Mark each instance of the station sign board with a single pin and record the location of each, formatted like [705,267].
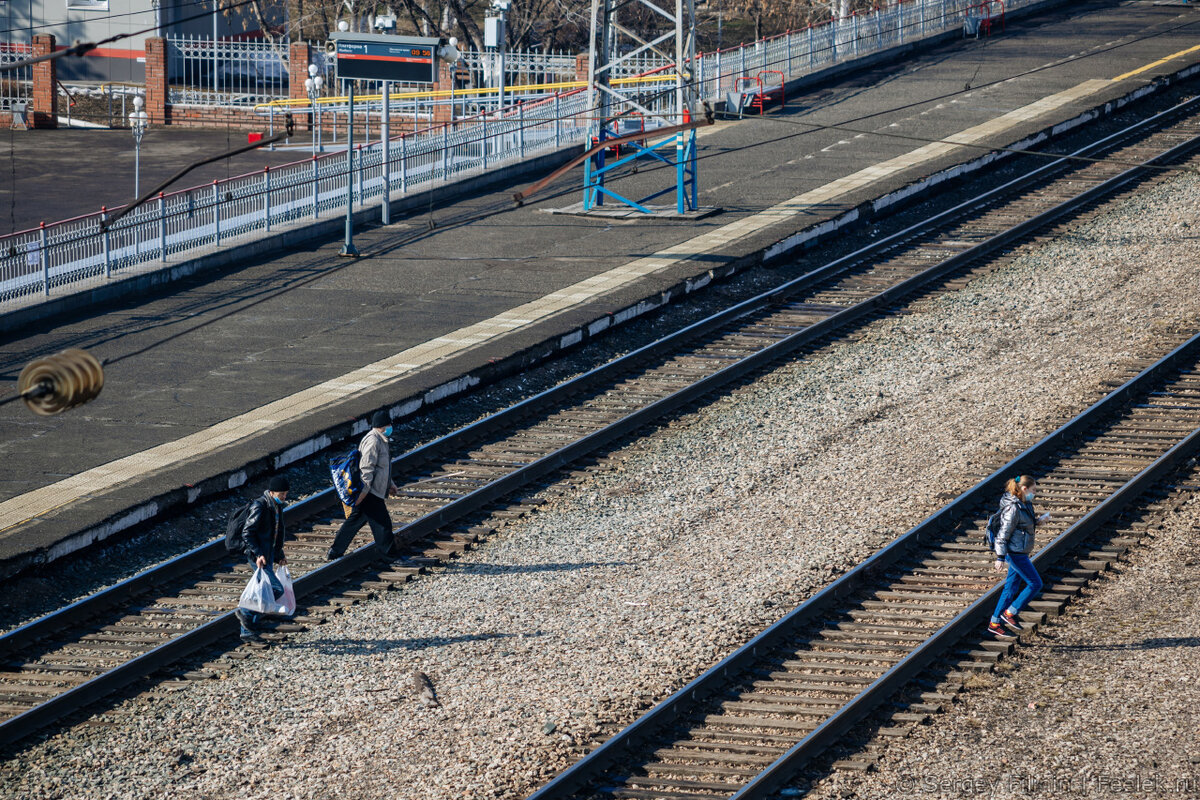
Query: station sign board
[380,57]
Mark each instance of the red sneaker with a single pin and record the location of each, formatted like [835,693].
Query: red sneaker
[1012,622]
[998,631]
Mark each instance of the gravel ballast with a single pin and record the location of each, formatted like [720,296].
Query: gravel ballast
[635,581]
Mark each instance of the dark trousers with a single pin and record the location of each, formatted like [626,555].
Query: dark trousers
[372,510]
[252,617]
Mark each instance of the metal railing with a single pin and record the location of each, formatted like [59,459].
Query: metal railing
[229,73]
[80,253]
[16,85]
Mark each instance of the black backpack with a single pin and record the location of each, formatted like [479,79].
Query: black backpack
[235,542]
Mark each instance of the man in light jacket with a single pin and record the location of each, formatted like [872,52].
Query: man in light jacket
[375,463]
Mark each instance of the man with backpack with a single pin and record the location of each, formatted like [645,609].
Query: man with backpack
[375,465]
[262,537]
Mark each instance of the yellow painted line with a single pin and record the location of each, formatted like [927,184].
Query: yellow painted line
[1158,63]
[237,430]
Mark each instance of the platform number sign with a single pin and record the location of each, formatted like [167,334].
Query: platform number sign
[410,59]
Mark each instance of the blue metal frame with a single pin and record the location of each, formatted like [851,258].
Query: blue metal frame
[595,169]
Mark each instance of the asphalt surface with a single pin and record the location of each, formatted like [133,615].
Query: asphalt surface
[219,346]
[51,175]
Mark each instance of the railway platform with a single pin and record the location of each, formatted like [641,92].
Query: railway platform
[225,378]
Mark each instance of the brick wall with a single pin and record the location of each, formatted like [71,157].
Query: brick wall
[44,109]
[156,80]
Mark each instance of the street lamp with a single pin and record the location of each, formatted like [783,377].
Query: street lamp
[139,120]
[312,85]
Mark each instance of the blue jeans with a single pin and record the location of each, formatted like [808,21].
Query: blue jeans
[253,617]
[1020,568]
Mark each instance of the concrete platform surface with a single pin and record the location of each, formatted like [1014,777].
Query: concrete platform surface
[252,369]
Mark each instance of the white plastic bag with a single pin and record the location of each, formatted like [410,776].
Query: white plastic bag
[286,605]
[258,596]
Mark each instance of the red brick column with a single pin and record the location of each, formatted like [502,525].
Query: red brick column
[581,67]
[299,57]
[44,113]
[445,81]
[156,80]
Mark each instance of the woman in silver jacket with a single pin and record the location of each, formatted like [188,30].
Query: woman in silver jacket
[1014,541]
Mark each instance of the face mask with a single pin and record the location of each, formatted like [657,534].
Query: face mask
[387,431]
[278,500]
[1030,494]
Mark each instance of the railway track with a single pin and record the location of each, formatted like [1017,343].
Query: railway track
[62,662]
[748,725]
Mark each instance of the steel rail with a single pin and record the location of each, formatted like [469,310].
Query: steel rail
[711,681]
[22,725]
[684,701]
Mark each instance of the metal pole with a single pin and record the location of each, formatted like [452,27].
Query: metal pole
[162,227]
[386,206]
[681,110]
[267,197]
[137,164]
[316,182]
[216,213]
[348,249]
[107,246]
[503,41]
[403,164]
[45,256]
[214,48]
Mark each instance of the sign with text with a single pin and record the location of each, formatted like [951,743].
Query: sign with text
[378,57]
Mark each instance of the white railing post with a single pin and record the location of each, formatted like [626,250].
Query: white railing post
[557,122]
[854,31]
[45,258]
[788,43]
[316,182]
[361,193]
[107,245]
[216,195]
[811,55]
[484,139]
[162,227]
[267,198]
[403,164]
[521,128]
[445,151]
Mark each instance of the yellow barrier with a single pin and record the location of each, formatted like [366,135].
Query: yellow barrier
[439,94]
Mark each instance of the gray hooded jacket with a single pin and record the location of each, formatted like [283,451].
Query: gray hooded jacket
[1017,524]
[375,461]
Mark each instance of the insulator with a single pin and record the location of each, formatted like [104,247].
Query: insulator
[64,380]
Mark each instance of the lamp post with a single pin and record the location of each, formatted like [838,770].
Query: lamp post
[312,85]
[139,120]
[348,248]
